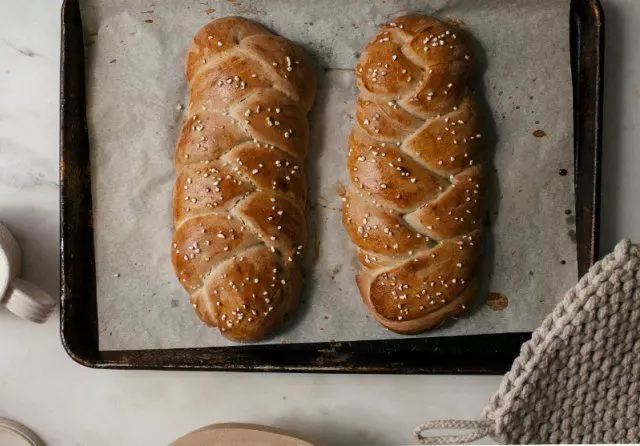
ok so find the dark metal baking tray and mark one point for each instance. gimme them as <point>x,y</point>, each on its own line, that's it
<point>485,354</point>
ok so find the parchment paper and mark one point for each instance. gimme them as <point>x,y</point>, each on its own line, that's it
<point>135,51</point>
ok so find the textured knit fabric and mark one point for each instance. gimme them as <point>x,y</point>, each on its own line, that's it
<point>578,379</point>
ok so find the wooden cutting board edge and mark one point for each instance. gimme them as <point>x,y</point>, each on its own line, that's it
<point>241,434</point>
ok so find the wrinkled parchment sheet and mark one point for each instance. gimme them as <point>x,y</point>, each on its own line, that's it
<point>135,51</point>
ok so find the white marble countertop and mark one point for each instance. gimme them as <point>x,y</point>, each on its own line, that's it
<point>70,405</point>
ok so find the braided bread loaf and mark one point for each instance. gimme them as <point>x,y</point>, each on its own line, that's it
<point>414,205</point>
<point>240,193</point>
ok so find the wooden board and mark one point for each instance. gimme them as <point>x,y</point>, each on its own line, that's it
<point>239,434</point>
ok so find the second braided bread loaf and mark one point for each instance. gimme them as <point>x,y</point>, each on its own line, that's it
<point>415,204</point>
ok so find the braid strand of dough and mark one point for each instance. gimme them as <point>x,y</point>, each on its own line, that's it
<point>240,192</point>
<point>415,204</point>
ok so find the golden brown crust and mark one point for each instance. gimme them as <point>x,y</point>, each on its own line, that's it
<point>240,191</point>
<point>404,295</point>
<point>379,230</point>
<point>458,210</point>
<point>415,202</point>
<point>206,188</point>
<point>386,172</point>
<point>204,241</point>
<point>250,294</point>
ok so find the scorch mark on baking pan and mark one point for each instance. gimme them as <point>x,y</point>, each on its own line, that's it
<point>539,133</point>
<point>497,301</point>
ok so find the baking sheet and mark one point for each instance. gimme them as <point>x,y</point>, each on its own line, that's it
<point>135,52</point>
